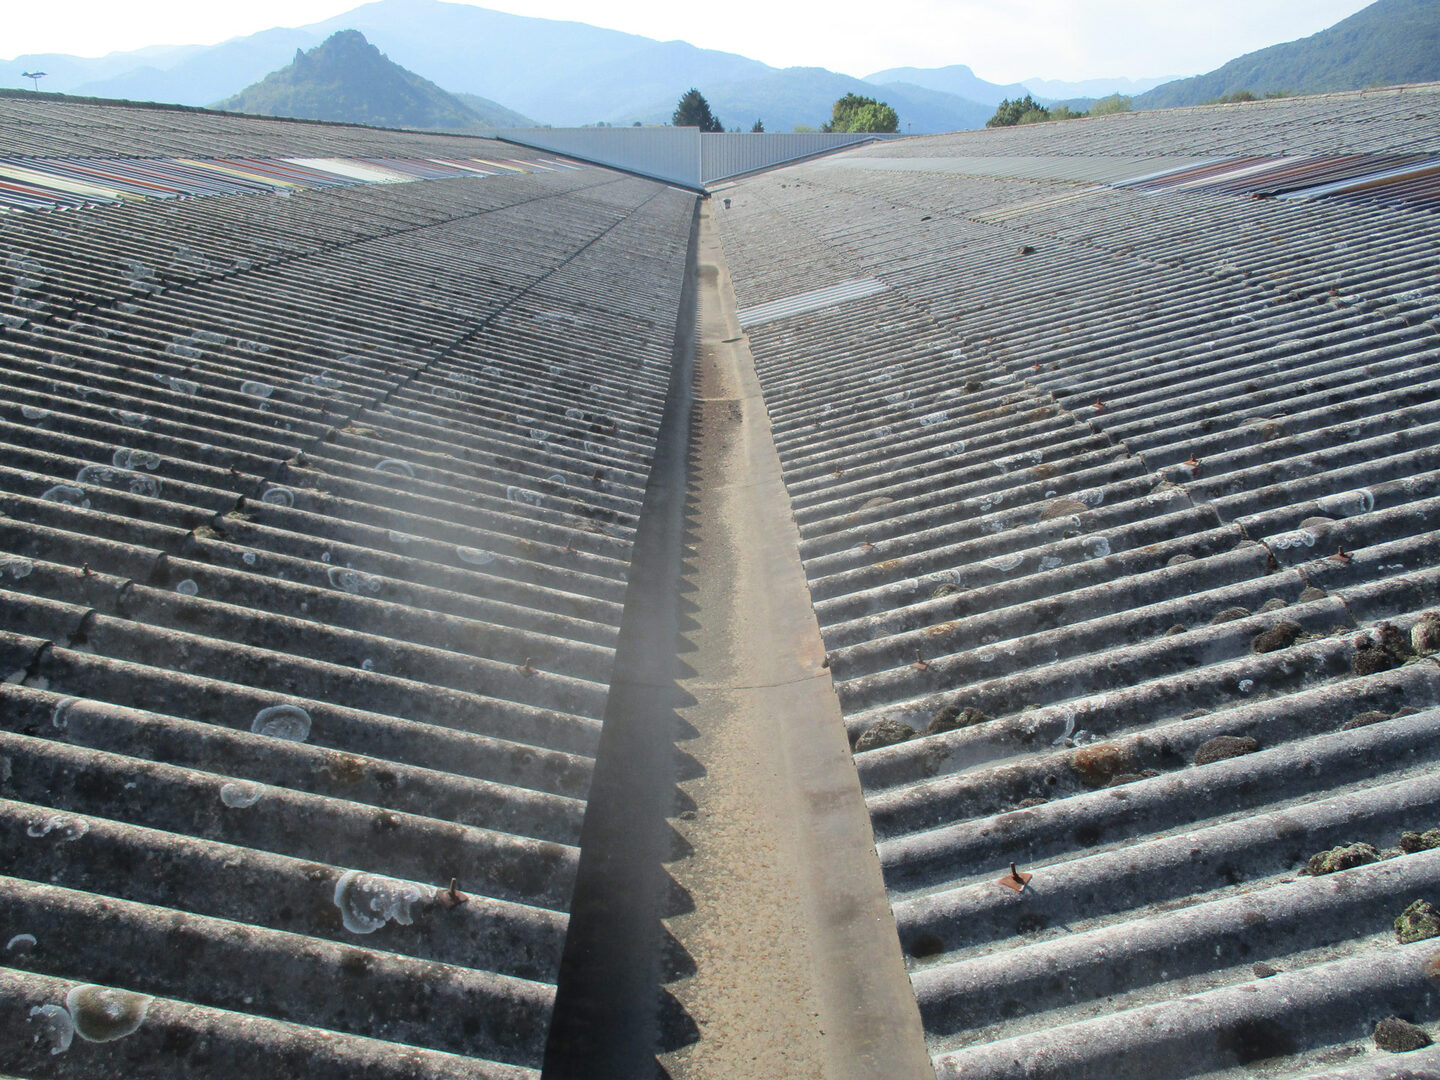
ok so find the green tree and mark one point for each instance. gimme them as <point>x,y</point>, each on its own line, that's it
<point>1020,111</point>
<point>757,128</point>
<point>855,113</point>
<point>694,111</point>
<point>1115,103</point>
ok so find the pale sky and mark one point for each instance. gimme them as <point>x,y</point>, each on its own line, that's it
<point>1002,40</point>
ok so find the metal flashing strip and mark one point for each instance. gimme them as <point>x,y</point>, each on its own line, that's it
<point>814,300</point>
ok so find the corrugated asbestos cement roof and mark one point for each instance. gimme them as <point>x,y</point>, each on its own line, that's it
<point>315,514</point>
<point>1118,491</point>
<point>1119,511</point>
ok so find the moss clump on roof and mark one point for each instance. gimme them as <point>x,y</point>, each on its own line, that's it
<point>1342,858</point>
<point>1365,719</point>
<point>1417,922</point>
<point>1098,765</point>
<point>1230,614</point>
<point>952,718</point>
<point>1280,636</point>
<point>1398,1036</point>
<point>1381,649</point>
<point>1425,634</point>
<point>1121,779</point>
<point>1224,746</point>
<point>1412,842</point>
<point>885,732</point>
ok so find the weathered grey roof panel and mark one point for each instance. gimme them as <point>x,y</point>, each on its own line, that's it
<point>317,511</point>
<point>1118,507</point>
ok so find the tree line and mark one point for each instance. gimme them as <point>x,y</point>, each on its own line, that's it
<point>851,113</point>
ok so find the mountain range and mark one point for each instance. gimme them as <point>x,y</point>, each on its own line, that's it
<point>570,73</point>
<point>346,79</point>
<point>560,73</point>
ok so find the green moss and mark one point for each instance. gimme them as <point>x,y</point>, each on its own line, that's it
<point>1412,842</point>
<point>951,718</point>
<point>884,733</point>
<point>1342,858</point>
<point>1417,922</point>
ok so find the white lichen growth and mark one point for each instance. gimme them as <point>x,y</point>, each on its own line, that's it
<point>240,794</point>
<point>368,901</point>
<point>55,1027</point>
<point>288,722</point>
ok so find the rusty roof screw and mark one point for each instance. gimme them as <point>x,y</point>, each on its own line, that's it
<point>867,545</point>
<point>1099,406</point>
<point>1192,462</point>
<point>1341,555</point>
<point>527,669</point>
<point>452,897</point>
<point>1017,880</point>
<point>921,664</point>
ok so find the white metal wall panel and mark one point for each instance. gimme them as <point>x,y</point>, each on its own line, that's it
<point>681,155</point>
<point>723,155</point>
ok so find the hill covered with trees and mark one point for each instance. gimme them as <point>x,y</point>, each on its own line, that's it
<point>1389,42</point>
<point>347,80</point>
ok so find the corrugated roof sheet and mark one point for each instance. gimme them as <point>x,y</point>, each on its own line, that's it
<point>1119,515</point>
<point>315,512</point>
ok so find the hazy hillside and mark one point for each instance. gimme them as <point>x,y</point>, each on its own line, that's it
<point>1389,42</point>
<point>67,74</point>
<point>1061,90</point>
<point>203,76</point>
<point>621,89</point>
<point>956,79</point>
<point>561,73</point>
<point>347,79</point>
<point>790,96</point>
<point>492,113</point>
